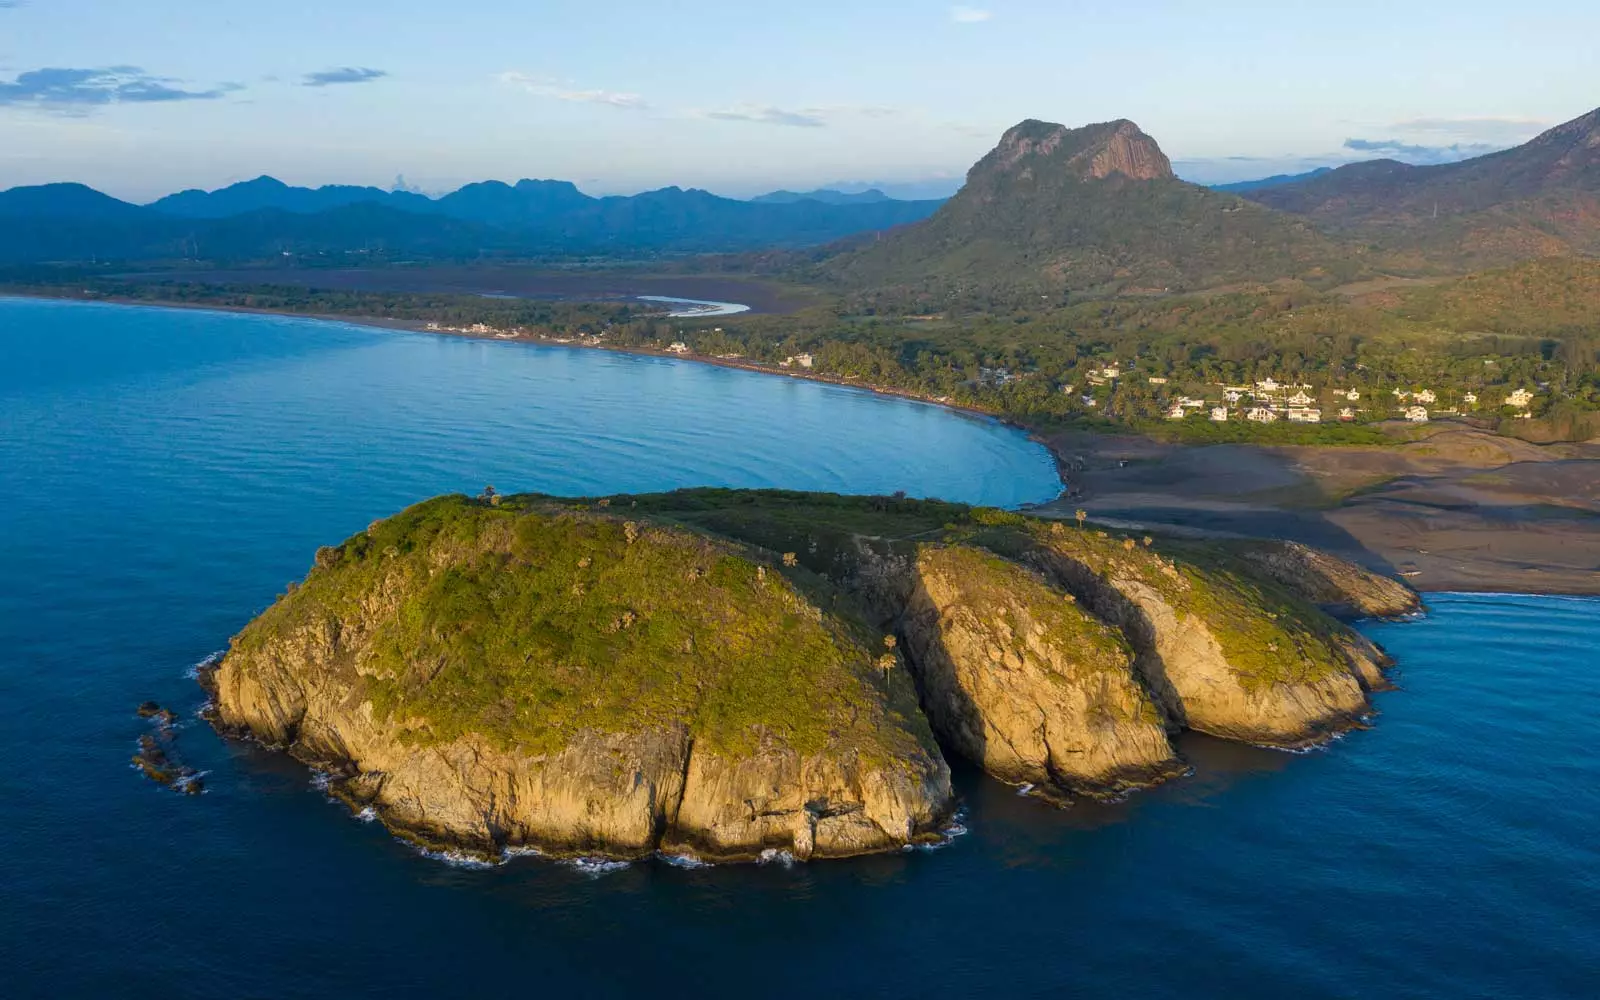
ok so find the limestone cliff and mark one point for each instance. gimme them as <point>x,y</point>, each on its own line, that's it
<point>533,676</point>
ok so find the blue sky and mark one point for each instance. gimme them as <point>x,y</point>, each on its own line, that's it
<point>139,99</point>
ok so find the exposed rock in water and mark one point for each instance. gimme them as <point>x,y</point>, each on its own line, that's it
<point>528,674</point>
<point>161,716</point>
<point>1019,679</point>
<point>158,765</point>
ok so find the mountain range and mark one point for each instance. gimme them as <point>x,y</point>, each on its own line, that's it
<point>1050,212</point>
<point>265,217</point>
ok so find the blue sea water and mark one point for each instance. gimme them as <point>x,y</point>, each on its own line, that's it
<point>164,473</point>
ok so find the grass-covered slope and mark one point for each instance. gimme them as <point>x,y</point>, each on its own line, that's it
<point>725,672</point>
<point>527,622</point>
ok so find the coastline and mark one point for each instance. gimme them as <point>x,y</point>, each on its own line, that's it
<point>1214,491</point>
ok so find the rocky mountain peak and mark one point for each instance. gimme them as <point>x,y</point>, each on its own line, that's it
<point>1091,152</point>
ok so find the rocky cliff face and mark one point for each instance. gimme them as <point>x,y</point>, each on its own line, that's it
<point>1223,654</point>
<point>1016,677</point>
<point>543,673</point>
<point>768,725</point>
<point>1091,152</point>
<point>1340,587</point>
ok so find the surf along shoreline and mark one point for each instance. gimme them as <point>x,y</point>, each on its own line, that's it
<point>1489,554</point>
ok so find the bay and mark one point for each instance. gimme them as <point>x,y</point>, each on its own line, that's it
<point>164,473</point>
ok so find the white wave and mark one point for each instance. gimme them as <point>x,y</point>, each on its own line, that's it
<point>455,859</point>
<point>774,856</point>
<point>322,781</point>
<point>596,867</point>
<point>1025,789</point>
<point>509,854</point>
<point>182,784</point>
<point>956,827</point>
<point>367,814</point>
<point>193,672</point>
<point>682,860</point>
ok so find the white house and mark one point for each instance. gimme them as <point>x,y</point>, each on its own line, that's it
<point>1427,396</point>
<point>1304,415</point>
<point>1157,380</point>
<point>1268,385</point>
<point>1353,395</point>
<point>678,347</point>
<point>1233,395</point>
<point>1521,399</point>
<point>1402,394</point>
<point>1347,415</point>
<point>1470,399</point>
<point>1301,398</point>
<point>1177,412</point>
<point>803,360</point>
<point>1260,415</point>
<point>1417,414</point>
<point>1219,414</point>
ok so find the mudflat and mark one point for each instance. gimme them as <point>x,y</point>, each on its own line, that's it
<point>514,281</point>
<point>1456,509</point>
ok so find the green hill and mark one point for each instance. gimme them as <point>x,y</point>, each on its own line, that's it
<point>1538,199</point>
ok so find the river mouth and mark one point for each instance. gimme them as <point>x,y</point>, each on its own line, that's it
<point>695,308</point>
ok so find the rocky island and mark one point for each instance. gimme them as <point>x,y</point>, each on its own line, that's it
<point>720,673</point>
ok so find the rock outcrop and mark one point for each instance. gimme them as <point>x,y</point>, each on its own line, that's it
<point>725,673</point>
<point>501,677</point>
<point>1339,587</point>
<point>1224,653</point>
<point>1017,678</point>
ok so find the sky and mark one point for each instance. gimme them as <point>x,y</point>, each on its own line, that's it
<point>745,96</point>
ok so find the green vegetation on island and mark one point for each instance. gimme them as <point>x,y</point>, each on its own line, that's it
<point>725,672</point>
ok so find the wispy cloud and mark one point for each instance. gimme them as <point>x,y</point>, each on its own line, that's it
<point>970,15</point>
<point>1420,154</point>
<point>555,90</point>
<point>342,74</point>
<point>78,90</point>
<point>807,118</point>
<point>1484,130</point>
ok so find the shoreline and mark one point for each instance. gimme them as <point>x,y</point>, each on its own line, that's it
<point>1399,540</point>
<point>741,364</point>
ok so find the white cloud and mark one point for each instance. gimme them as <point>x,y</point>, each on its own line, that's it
<point>766,115</point>
<point>1484,130</point>
<point>545,87</point>
<point>970,15</point>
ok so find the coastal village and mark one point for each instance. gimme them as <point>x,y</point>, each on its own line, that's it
<point>1266,401</point>
<point>1269,401</point>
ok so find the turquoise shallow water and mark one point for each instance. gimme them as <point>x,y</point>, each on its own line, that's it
<point>163,474</point>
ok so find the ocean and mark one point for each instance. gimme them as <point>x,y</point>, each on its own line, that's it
<point>163,474</point>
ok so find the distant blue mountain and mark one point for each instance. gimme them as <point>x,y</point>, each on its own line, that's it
<point>826,196</point>
<point>64,201</point>
<point>1275,180</point>
<point>270,193</point>
<point>267,218</point>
